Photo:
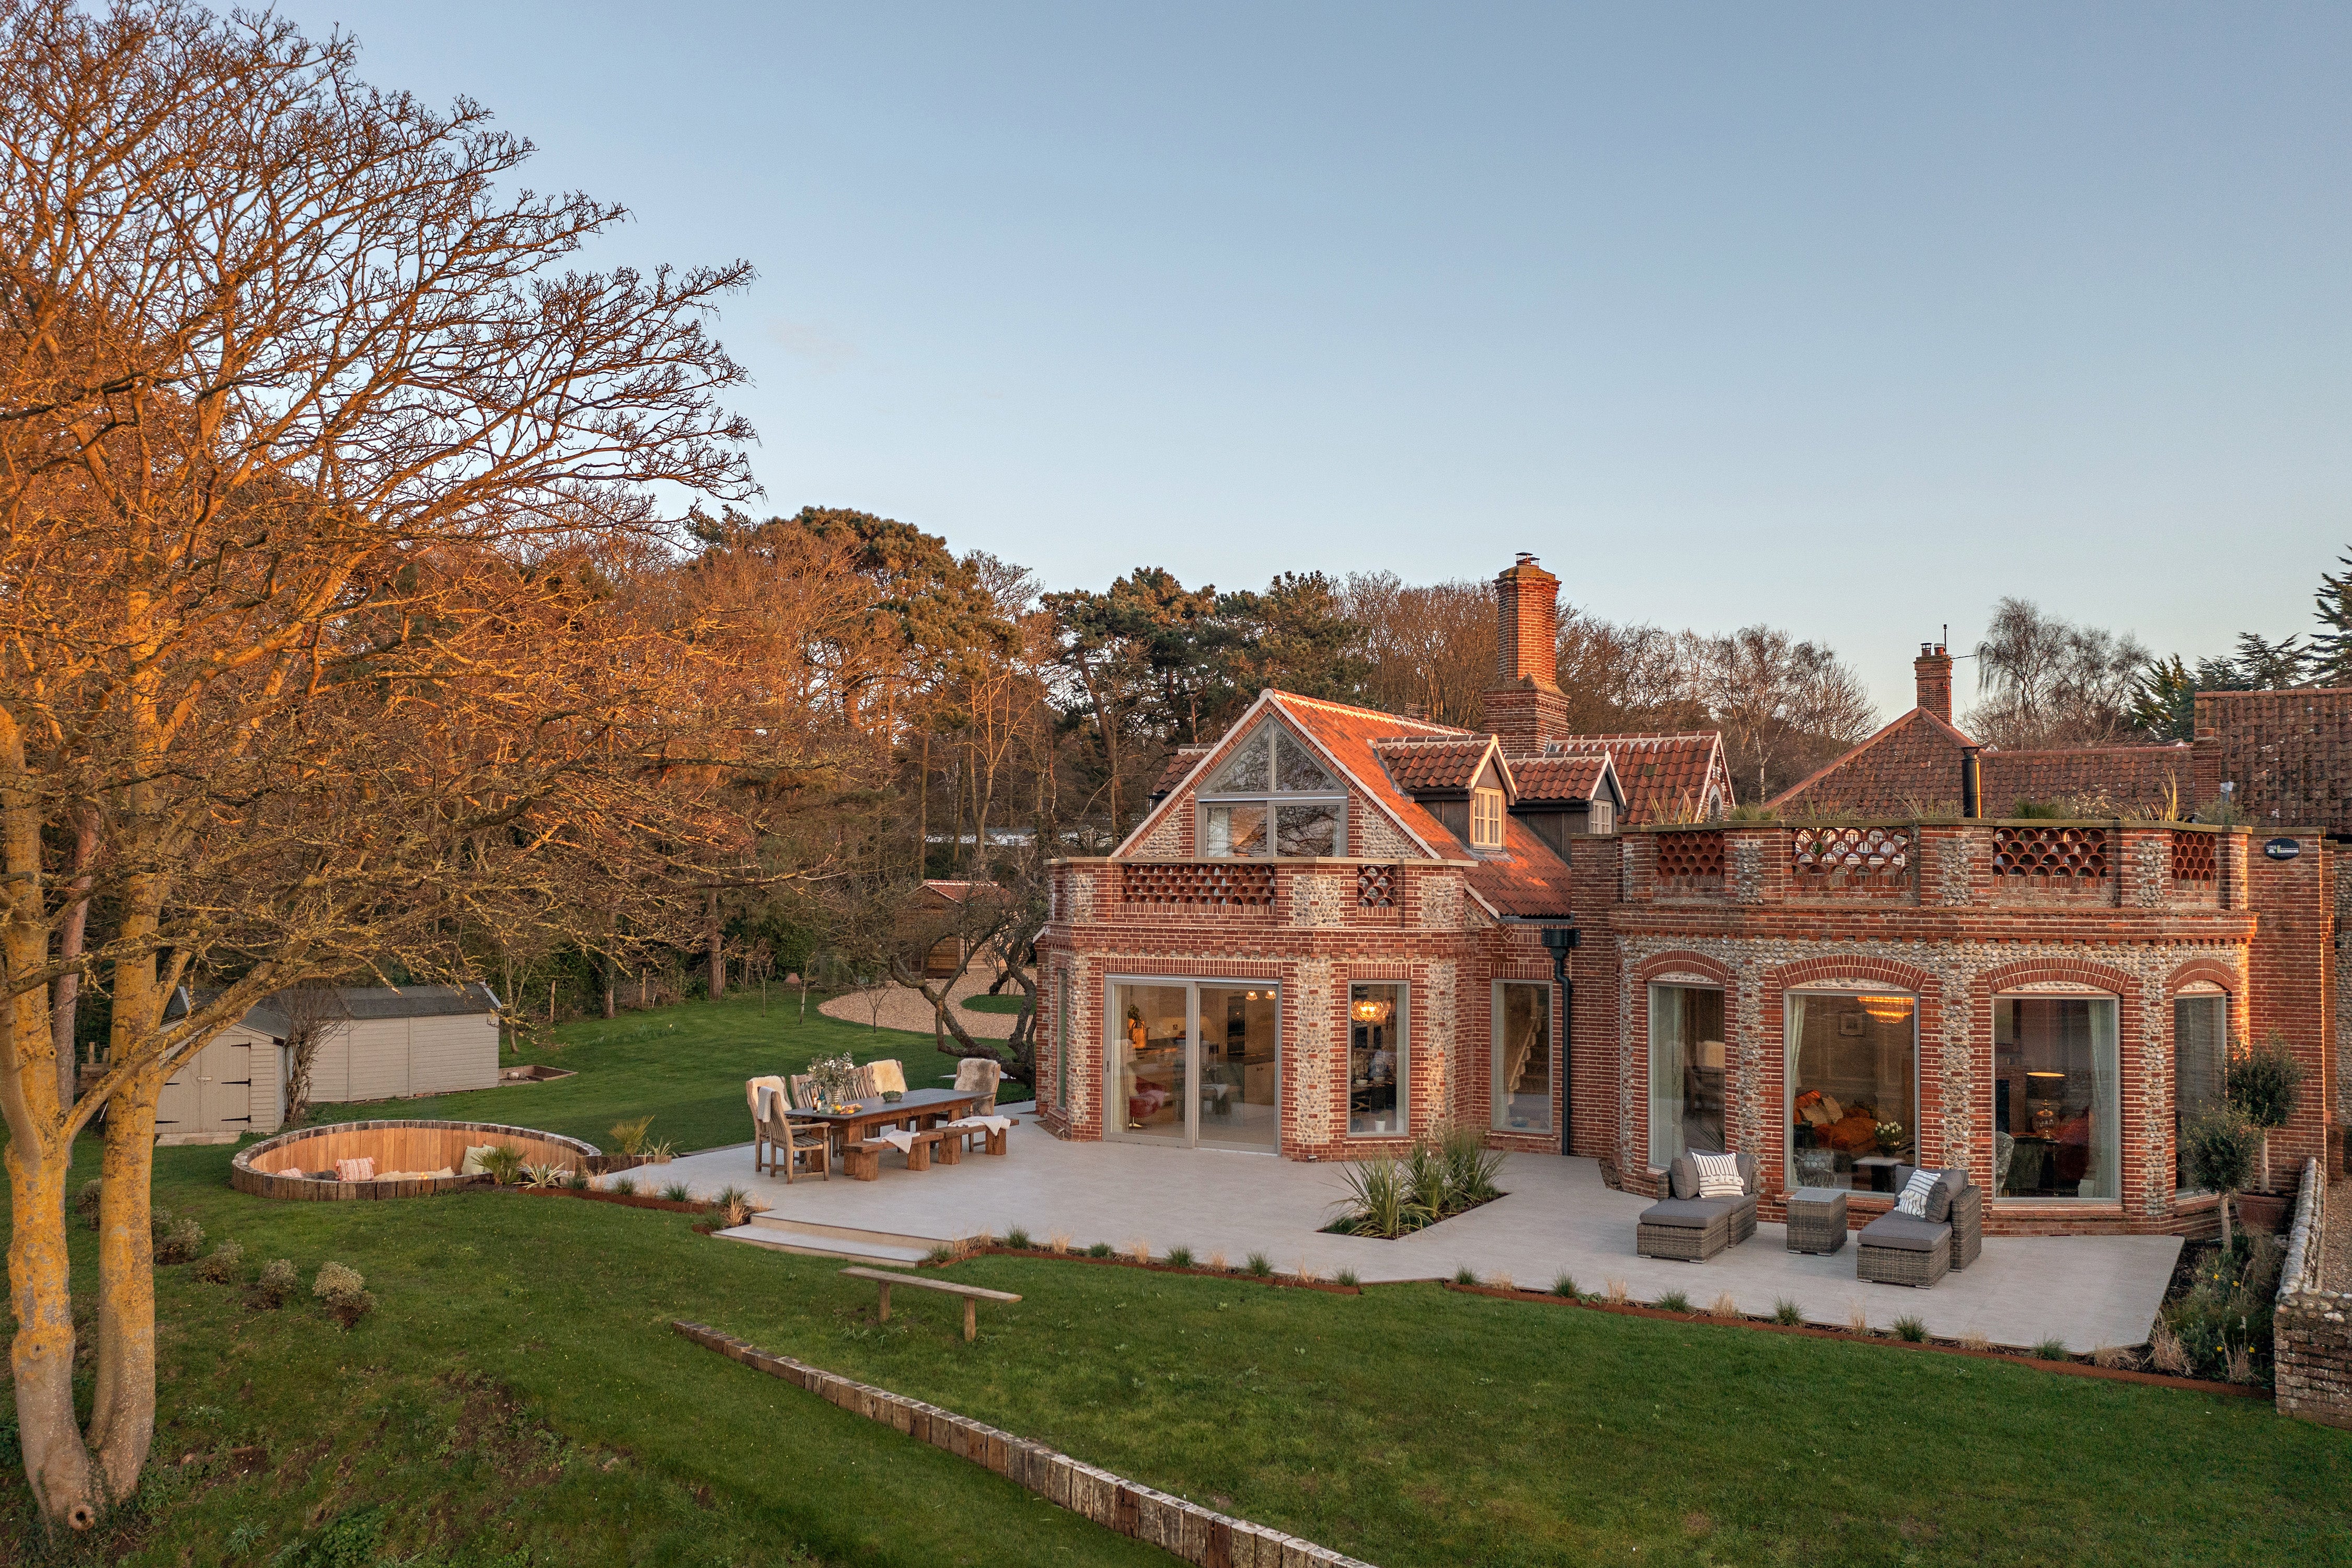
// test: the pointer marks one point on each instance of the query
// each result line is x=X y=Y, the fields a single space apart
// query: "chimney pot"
x=1933 y=671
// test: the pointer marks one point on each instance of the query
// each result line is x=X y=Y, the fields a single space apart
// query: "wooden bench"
x=863 y=1161
x=972 y=1294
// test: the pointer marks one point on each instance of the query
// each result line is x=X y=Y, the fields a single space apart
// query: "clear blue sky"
x=1851 y=319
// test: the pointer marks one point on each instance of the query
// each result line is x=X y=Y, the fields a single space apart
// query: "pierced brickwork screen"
x=2060 y=855
x=1236 y=883
x=1376 y=886
x=1846 y=854
x=2192 y=858
x=1682 y=856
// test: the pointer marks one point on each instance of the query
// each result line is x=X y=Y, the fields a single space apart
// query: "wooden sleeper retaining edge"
x=1186 y=1529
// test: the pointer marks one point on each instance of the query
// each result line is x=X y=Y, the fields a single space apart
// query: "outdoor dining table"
x=922 y=1109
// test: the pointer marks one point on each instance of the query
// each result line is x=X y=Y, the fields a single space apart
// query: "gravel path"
x=903 y=1008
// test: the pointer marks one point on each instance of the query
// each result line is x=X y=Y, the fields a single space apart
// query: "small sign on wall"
x=2282 y=848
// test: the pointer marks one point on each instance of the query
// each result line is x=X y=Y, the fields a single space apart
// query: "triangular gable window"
x=1280 y=814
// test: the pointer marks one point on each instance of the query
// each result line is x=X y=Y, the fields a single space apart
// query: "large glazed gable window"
x=1272 y=797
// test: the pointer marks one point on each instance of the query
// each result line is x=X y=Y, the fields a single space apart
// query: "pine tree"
x=2331 y=649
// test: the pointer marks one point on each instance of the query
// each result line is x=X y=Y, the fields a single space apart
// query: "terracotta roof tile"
x=1560 y=778
x=1181 y=763
x=1431 y=762
x=1912 y=763
x=2110 y=780
x=1665 y=777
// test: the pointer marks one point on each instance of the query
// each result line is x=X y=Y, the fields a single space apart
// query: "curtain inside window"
x=1665 y=1076
x=2106 y=1072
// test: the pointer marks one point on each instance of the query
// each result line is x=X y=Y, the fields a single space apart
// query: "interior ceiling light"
x=1886 y=1009
x=1370 y=1012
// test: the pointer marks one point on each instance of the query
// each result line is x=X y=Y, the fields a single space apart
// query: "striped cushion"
x=360 y=1170
x=1719 y=1175
x=1916 y=1192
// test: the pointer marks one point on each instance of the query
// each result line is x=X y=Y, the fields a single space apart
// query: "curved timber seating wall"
x=395 y=1146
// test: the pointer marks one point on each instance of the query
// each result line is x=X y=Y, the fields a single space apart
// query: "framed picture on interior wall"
x=1849 y=1023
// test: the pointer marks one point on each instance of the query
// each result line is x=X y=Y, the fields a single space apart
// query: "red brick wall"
x=2292 y=988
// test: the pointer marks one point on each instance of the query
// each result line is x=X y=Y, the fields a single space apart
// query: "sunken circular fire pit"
x=407 y=1152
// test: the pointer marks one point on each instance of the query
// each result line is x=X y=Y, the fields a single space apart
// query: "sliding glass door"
x=1196 y=1062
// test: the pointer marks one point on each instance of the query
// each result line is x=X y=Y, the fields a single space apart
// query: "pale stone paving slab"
x=2087 y=1290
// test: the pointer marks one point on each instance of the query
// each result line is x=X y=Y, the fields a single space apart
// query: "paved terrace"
x=2086 y=1290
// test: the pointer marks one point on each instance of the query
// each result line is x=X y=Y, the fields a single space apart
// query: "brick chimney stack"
x=1524 y=707
x=1933 y=670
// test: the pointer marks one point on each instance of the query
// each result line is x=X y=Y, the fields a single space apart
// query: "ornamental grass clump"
x=1179 y=1257
x=277 y=1281
x=1788 y=1313
x=1349 y=1277
x=1099 y=1250
x=1673 y=1301
x=345 y=1292
x=1564 y=1284
x=223 y=1264
x=677 y=1193
x=1911 y=1329
x=1438 y=1177
x=1259 y=1265
x=629 y=1137
x=1017 y=1239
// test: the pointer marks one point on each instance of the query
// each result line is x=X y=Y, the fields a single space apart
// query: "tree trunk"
x=122 y=1404
x=42 y=1354
x=2228 y=1242
x=70 y=938
x=923 y=809
x=718 y=953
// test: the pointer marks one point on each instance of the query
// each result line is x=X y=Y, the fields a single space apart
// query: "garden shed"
x=383 y=1043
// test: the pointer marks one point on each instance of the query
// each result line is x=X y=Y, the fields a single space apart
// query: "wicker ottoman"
x=1690 y=1230
x=1816 y=1219
x=1895 y=1249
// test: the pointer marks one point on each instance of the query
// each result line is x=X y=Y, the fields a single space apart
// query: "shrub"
x=677 y=1193
x=1259 y=1265
x=1673 y=1301
x=1564 y=1284
x=1179 y=1257
x=1911 y=1328
x=2052 y=1349
x=1470 y=1167
x=629 y=1137
x=1348 y=1277
x=86 y=1201
x=176 y=1241
x=1099 y=1250
x=1788 y=1313
x=1017 y=1239
x=224 y=1264
x=625 y=1187
x=345 y=1292
x=2264 y=1081
x=2222 y=1146
x=1381 y=1199
x=277 y=1280
x=2220 y=1326
x=504 y=1164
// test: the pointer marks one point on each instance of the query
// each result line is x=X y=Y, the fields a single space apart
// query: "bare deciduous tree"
x=2051 y=682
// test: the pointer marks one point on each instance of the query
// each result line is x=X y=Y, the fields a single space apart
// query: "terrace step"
x=809 y=1232
x=850 y=1248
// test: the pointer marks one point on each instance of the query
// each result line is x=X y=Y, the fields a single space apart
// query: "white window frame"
x=1486 y=818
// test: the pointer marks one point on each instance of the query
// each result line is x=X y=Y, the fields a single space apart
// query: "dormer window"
x=1486 y=819
x=1272 y=797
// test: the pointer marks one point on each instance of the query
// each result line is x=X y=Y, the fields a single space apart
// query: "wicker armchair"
x=1897 y=1248
x=1690 y=1229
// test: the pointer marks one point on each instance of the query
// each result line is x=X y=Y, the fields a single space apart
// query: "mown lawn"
x=519 y=1397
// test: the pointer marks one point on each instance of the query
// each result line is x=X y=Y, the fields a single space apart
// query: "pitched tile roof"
x=1665 y=778
x=1563 y=778
x=1912 y=763
x=1181 y=763
x=1431 y=762
x=2106 y=780
x=1524 y=878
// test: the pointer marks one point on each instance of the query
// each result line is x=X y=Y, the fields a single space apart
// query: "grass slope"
x=520 y=1397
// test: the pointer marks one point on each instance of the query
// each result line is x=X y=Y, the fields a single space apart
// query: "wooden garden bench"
x=972 y=1294
x=863 y=1160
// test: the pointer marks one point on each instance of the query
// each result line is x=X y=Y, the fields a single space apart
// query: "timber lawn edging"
x=1047 y=1255
x=1195 y=1534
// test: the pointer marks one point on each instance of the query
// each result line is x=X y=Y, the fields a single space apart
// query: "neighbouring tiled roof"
x=1665 y=777
x=956 y=892
x=1181 y=763
x=1913 y=763
x=1562 y=778
x=1433 y=762
x=2103 y=778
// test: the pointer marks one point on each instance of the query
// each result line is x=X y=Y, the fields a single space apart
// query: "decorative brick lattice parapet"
x=1862 y=860
x=1376 y=886
x=2050 y=859
x=2193 y=857
x=1228 y=883
x=1689 y=861
x=1186 y=1529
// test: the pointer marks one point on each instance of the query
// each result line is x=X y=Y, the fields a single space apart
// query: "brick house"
x=1336 y=929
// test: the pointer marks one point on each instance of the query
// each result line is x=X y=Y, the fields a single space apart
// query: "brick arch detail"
x=2026 y=972
x=2228 y=976
x=1684 y=960
x=1893 y=974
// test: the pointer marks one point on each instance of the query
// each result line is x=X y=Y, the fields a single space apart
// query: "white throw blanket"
x=900 y=1139
x=994 y=1123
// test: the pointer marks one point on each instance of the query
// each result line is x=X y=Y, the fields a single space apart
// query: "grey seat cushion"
x=1689 y=1214
x=1939 y=1203
x=1901 y=1232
